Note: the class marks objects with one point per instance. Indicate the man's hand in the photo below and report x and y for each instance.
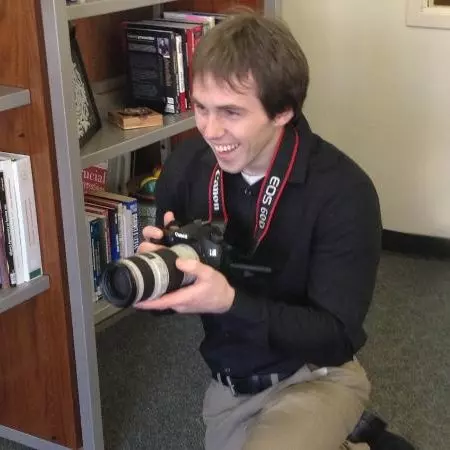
(150, 232)
(210, 293)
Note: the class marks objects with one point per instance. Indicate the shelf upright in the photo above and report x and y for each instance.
(59, 64)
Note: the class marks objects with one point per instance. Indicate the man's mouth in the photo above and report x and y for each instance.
(222, 149)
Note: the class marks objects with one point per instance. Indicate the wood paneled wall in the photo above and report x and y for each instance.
(37, 379)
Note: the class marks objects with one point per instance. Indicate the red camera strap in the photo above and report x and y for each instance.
(271, 189)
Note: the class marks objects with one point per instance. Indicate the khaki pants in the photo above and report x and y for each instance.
(311, 410)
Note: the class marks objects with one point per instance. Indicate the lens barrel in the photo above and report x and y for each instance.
(145, 276)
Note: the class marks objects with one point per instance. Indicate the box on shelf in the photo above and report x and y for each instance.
(130, 118)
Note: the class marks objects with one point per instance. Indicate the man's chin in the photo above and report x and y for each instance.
(229, 168)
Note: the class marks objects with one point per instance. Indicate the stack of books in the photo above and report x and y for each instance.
(112, 225)
(20, 252)
(159, 56)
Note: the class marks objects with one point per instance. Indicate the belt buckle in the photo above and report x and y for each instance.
(228, 383)
(231, 386)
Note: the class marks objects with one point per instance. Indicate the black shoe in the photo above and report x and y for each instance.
(368, 429)
(390, 441)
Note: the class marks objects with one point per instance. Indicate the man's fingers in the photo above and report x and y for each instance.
(168, 217)
(171, 300)
(194, 267)
(150, 232)
(145, 247)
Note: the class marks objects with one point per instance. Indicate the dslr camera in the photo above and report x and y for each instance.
(150, 275)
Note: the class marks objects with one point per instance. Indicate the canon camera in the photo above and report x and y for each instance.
(150, 275)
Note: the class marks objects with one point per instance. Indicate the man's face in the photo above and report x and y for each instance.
(235, 125)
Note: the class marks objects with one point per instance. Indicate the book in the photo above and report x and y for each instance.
(6, 239)
(4, 271)
(12, 224)
(30, 265)
(130, 203)
(207, 20)
(147, 72)
(94, 232)
(94, 177)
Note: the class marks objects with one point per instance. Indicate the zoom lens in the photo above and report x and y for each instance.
(145, 276)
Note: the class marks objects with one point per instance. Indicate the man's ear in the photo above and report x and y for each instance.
(283, 118)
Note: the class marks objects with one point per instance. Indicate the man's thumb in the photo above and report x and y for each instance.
(187, 265)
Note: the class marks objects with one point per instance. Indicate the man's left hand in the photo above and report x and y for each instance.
(210, 293)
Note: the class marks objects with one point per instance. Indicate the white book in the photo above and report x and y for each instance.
(186, 16)
(30, 266)
(6, 166)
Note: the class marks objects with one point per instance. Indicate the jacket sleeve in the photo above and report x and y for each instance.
(171, 188)
(343, 265)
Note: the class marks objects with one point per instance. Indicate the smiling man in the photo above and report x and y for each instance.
(281, 346)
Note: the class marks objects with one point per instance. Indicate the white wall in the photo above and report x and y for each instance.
(380, 91)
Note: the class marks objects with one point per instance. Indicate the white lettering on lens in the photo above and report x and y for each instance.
(216, 190)
(181, 235)
(268, 196)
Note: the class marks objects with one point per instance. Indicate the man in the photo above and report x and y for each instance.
(280, 345)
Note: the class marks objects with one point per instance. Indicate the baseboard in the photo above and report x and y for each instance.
(416, 244)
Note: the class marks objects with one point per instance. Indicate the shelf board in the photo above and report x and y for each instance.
(11, 97)
(90, 8)
(111, 141)
(11, 297)
(105, 313)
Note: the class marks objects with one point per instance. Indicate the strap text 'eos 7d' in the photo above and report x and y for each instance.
(271, 189)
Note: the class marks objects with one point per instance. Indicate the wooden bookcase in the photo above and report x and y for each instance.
(49, 393)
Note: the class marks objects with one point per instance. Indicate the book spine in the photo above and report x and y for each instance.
(11, 196)
(6, 258)
(181, 78)
(145, 71)
(27, 218)
(92, 257)
(171, 70)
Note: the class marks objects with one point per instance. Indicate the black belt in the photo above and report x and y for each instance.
(250, 385)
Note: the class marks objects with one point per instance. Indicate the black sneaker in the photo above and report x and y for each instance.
(368, 429)
(390, 441)
(371, 429)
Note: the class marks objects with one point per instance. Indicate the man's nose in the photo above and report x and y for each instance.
(213, 128)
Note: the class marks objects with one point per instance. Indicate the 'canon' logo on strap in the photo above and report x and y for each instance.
(215, 191)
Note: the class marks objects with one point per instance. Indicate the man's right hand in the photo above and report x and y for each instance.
(154, 233)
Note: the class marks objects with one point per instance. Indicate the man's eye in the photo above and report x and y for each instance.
(200, 108)
(231, 113)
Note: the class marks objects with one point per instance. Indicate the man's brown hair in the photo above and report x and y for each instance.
(246, 44)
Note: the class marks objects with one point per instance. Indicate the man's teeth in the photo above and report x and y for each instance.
(225, 148)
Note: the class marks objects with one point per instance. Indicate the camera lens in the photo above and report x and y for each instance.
(145, 276)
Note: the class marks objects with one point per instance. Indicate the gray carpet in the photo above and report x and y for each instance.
(152, 378)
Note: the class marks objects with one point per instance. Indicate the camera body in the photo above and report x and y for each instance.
(206, 238)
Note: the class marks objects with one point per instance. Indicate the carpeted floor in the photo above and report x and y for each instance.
(152, 377)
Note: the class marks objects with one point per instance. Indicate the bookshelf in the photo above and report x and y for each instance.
(11, 97)
(91, 8)
(11, 297)
(109, 142)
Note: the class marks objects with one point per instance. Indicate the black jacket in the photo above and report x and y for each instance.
(323, 246)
